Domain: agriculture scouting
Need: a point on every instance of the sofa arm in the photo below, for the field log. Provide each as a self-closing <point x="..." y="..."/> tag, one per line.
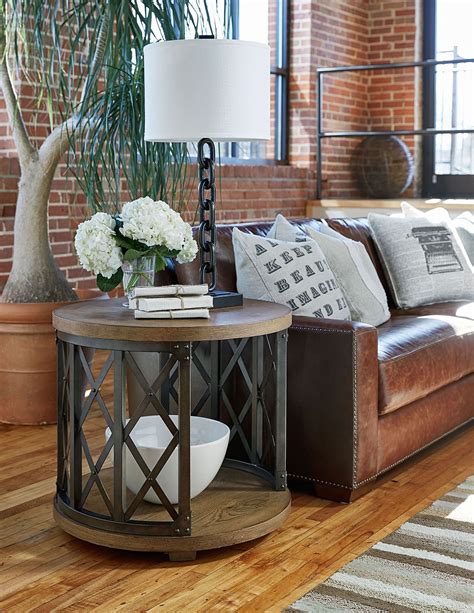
<point x="332" y="404"/>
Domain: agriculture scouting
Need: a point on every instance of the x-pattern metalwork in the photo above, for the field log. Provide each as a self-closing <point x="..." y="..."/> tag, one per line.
<point x="201" y="369"/>
<point x="269" y="443"/>
<point x="255" y="382"/>
<point x="236" y="359"/>
<point x="151" y="397"/>
<point x="94" y="394"/>
<point x="259" y="446"/>
<point x="74" y="410"/>
<point x="69" y="357"/>
<point x="249" y="363"/>
<point x="261" y="384"/>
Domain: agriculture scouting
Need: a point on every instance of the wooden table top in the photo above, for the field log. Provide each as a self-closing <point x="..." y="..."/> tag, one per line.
<point x="109" y="319"/>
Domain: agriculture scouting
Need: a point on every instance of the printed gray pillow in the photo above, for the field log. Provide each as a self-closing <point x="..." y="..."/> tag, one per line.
<point x="291" y="273"/>
<point x="352" y="266"/>
<point x="424" y="260"/>
<point x="464" y="225"/>
<point x="283" y="230"/>
<point x="356" y="274"/>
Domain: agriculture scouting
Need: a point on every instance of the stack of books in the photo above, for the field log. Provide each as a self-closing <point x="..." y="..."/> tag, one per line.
<point x="171" y="302"/>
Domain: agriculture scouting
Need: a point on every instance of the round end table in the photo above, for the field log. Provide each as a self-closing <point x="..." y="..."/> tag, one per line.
<point x="240" y="356"/>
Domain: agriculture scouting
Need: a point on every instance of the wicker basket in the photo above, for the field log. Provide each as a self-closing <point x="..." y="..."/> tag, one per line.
<point x="383" y="166"/>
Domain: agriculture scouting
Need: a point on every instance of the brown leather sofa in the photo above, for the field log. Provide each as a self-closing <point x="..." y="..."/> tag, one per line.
<point x="363" y="399"/>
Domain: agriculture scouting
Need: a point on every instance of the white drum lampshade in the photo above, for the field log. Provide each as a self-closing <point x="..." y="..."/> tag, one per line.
<point x="207" y="88"/>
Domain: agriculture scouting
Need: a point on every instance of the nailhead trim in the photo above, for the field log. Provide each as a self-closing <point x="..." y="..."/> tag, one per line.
<point x="301" y="477"/>
<point x="355" y="412"/>
<point x="347" y="487"/>
<point x="385" y="469"/>
<point x="416" y="451"/>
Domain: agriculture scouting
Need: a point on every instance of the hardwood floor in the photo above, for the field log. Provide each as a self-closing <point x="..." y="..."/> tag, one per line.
<point x="44" y="569"/>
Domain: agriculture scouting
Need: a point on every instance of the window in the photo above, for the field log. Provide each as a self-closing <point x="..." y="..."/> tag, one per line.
<point x="449" y="98"/>
<point x="264" y="21"/>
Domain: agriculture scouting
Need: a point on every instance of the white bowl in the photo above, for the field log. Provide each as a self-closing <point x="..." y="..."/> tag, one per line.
<point x="209" y="441"/>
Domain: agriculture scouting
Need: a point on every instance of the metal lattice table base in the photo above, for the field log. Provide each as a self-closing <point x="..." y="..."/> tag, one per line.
<point x="243" y="382"/>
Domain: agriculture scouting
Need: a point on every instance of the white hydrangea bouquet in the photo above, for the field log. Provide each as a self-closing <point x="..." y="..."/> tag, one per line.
<point x="145" y="230"/>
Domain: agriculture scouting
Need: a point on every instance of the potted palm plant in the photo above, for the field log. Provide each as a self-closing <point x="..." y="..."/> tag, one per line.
<point x="85" y="63"/>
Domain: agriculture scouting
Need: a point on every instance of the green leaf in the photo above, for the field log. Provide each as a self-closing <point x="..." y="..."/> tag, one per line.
<point x="129" y="243"/>
<point x="160" y="262"/>
<point x="107" y="285"/>
<point x="134" y="254"/>
<point x="99" y="47"/>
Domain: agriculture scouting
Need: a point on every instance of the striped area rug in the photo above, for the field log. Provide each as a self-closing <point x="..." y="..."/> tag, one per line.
<point x="425" y="565"/>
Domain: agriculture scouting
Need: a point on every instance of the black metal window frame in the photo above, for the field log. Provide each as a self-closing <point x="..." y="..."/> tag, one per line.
<point x="427" y="132"/>
<point x="437" y="185"/>
<point x="281" y="72"/>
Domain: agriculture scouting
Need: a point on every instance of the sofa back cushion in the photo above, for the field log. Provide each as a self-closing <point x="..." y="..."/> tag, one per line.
<point x="356" y="229"/>
<point x="425" y="260"/>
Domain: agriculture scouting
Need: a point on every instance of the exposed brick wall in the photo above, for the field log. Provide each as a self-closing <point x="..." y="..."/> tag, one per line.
<point x="248" y="192"/>
<point x="392" y="93"/>
<point x="328" y="33"/>
<point x="302" y="100"/>
<point x="322" y="33"/>
<point x="339" y="32"/>
<point x="260" y="192"/>
<point x="9" y="171"/>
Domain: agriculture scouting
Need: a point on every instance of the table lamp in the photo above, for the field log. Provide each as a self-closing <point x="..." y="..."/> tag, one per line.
<point x="207" y="90"/>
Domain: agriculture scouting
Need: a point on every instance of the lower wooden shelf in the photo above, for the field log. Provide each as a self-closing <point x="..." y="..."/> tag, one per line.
<point x="236" y="507"/>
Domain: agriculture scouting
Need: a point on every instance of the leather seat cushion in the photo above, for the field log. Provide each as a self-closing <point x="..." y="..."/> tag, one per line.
<point x="420" y="354"/>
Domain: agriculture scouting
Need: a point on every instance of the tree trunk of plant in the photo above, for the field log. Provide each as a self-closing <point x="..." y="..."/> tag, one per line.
<point x="35" y="276"/>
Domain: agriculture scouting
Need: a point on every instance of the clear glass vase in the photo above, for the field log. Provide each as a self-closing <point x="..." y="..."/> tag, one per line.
<point x="138" y="273"/>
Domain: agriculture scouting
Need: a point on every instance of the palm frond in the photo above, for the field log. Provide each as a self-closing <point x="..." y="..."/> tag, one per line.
<point x="85" y="58"/>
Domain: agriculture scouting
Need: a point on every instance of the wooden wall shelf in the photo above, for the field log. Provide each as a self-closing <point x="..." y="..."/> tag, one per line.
<point x="322" y="208"/>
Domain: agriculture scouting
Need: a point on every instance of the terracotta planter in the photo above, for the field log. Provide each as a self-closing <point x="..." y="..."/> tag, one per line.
<point x="27" y="363"/>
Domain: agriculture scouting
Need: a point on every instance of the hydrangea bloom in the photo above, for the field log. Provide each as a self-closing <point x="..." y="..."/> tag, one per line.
<point x="156" y="224"/>
<point x="96" y="246"/>
<point x="190" y="248"/>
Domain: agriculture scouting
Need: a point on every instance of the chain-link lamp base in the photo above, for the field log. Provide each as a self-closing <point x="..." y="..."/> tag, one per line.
<point x="207" y="226"/>
<point x="233" y="105"/>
